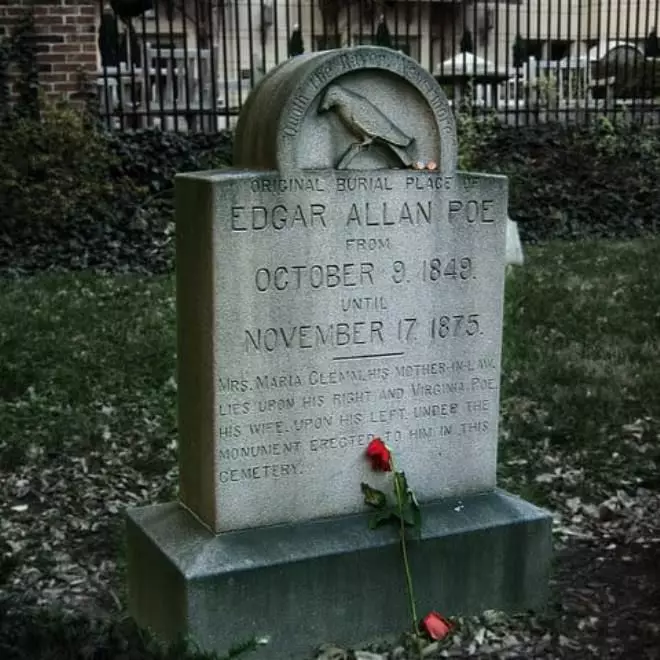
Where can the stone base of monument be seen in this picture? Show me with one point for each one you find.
(334, 580)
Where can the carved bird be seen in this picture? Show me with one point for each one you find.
(367, 123)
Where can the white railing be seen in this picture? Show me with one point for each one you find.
(563, 82)
(174, 91)
(183, 87)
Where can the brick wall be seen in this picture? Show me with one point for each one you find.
(66, 40)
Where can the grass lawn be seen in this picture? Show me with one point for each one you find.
(88, 416)
(581, 371)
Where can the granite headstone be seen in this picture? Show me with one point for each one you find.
(342, 282)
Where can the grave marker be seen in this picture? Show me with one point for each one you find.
(329, 292)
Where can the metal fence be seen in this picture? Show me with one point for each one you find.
(189, 65)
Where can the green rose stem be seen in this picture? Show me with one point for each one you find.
(404, 550)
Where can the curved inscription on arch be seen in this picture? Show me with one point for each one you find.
(377, 97)
(254, 138)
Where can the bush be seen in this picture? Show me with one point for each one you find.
(52, 171)
(42, 634)
(151, 158)
(74, 195)
(579, 182)
(59, 191)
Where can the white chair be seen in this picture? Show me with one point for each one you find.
(180, 86)
(121, 93)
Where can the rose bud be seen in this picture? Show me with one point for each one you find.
(436, 626)
(379, 455)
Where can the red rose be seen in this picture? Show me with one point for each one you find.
(379, 455)
(436, 626)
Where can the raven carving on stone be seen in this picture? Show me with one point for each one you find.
(366, 122)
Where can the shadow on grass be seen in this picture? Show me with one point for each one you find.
(40, 634)
(88, 417)
(580, 377)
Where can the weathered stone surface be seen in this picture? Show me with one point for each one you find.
(333, 305)
(282, 129)
(321, 309)
(333, 580)
(514, 251)
(328, 291)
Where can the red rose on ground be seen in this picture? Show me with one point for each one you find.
(379, 455)
(436, 626)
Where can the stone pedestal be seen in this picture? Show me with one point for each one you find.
(331, 580)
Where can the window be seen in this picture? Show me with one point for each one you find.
(267, 14)
(407, 44)
(559, 49)
(327, 42)
(450, 91)
(163, 43)
(533, 48)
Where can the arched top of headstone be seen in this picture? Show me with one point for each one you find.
(357, 108)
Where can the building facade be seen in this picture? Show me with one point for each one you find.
(240, 40)
(251, 36)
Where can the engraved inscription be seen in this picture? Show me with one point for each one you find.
(313, 336)
(373, 215)
(291, 184)
(278, 217)
(314, 276)
(368, 320)
(334, 292)
(325, 73)
(472, 210)
(363, 184)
